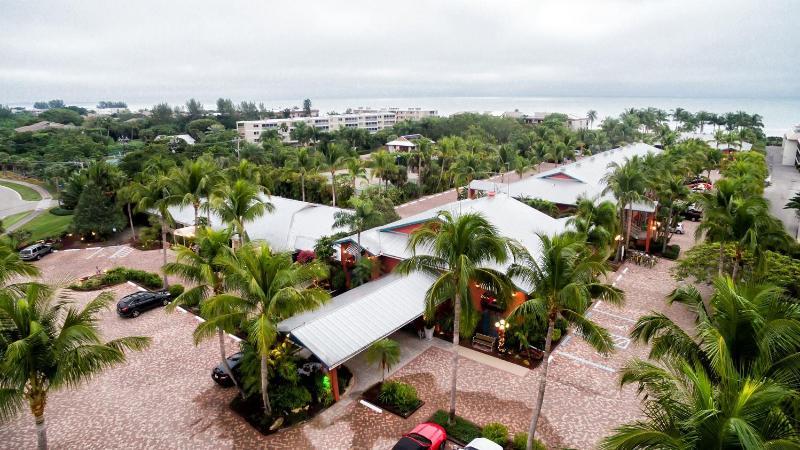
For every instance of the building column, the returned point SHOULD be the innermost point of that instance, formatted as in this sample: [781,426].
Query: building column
[334,383]
[649,229]
[343,255]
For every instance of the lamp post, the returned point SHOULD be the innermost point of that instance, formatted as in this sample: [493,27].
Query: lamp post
[501,326]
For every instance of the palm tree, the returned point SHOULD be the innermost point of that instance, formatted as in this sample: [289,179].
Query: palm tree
[333,157]
[385,353]
[157,195]
[47,346]
[522,165]
[263,289]
[424,152]
[130,194]
[794,203]
[305,162]
[564,280]
[468,166]
[239,203]
[203,268]
[194,182]
[383,166]
[356,171]
[359,219]
[12,267]
[686,408]
[457,251]
[670,189]
[592,116]
[597,222]
[627,182]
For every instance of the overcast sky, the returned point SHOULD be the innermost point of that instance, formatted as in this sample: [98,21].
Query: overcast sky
[141,50]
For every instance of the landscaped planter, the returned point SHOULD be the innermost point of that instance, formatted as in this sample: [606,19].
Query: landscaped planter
[372,396]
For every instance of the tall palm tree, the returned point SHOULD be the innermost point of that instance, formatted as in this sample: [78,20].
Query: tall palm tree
[129,195]
[468,166]
[383,166]
[628,184]
[333,158]
[239,203]
[356,171]
[597,222]
[11,268]
[424,153]
[669,189]
[194,182]
[359,219]
[592,116]
[385,353]
[203,268]
[306,162]
[157,195]
[564,280]
[263,289]
[46,346]
[456,251]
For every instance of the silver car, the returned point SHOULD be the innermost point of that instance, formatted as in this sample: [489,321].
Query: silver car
[35,251]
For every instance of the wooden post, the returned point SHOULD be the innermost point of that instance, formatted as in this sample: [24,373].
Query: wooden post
[649,226]
[343,256]
[334,383]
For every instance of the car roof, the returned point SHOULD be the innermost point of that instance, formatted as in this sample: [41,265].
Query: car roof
[483,444]
[406,443]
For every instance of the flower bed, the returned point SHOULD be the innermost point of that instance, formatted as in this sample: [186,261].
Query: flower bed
[117,276]
[398,398]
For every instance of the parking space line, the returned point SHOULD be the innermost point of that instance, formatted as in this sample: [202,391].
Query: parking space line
[99,250]
[614,315]
[586,361]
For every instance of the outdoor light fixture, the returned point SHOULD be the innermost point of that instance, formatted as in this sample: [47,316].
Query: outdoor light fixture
[618,237]
[501,326]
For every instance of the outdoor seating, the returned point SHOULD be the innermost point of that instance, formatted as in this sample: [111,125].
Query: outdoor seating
[483,342]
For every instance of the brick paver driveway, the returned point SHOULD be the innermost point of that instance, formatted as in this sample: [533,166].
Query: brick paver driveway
[164,397]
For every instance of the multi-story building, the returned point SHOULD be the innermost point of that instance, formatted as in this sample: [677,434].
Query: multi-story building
[401,114]
[574,123]
[791,147]
[251,130]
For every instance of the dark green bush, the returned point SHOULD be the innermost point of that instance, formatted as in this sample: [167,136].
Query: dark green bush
[119,275]
[175,290]
[399,395]
[289,397]
[672,252]
[462,429]
[521,441]
[496,432]
[57,211]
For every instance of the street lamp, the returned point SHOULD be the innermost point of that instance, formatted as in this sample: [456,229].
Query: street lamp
[501,326]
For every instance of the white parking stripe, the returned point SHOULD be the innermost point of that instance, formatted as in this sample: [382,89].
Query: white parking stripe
[586,361]
[97,252]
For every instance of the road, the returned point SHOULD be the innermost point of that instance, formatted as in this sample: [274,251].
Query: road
[785,183]
[12,203]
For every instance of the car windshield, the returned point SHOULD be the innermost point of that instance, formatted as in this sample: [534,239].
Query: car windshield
[419,438]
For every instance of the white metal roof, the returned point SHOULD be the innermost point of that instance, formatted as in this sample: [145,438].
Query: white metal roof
[586,178]
[401,143]
[293,225]
[352,321]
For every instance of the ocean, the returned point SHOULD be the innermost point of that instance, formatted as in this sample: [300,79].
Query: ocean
[780,114]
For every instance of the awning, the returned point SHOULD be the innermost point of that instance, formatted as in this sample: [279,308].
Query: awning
[352,321]
[185,232]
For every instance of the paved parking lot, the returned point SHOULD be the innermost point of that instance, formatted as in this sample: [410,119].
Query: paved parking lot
[164,397]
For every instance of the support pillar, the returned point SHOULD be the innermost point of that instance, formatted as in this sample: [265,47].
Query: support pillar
[649,229]
[334,383]
[343,255]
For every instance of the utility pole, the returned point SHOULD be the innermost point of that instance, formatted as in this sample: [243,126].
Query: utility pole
[238,140]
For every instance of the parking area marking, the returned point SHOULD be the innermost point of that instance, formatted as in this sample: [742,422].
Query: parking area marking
[96,252]
[121,253]
[620,342]
[616,316]
[586,361]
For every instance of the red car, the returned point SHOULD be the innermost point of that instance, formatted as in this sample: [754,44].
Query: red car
[425,436]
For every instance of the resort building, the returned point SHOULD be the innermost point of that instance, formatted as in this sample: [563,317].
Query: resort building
[401,114]
[566,184]
[291,227]
[573,122]
[352,321]
[250,130]
[791,147]
[404,143]
[42,126]
[711,140]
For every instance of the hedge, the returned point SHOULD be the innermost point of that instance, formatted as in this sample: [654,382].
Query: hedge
[58,211]
[672,252]
[520,442]
[496,432]
[119,275]
[462,429]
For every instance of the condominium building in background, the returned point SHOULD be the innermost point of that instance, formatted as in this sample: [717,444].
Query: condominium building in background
[363,118]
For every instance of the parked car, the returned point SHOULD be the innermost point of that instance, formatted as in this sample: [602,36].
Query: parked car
[134,304]
[693,213]
[425,436]
[482,444]
[35,251]
[222,378]
[677,229]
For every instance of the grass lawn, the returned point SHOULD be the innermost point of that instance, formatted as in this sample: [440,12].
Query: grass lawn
[47,225]
[14,218]
[26,192]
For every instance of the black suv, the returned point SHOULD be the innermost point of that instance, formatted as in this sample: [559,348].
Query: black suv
[134,304]
[222,378]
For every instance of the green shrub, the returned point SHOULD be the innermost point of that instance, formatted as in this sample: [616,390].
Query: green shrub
[556,334]
[289,397]
[521,441]
[462,429]
[399,395]
[175,290]
[496,432]
[57,211]
[119,275]
[672,252]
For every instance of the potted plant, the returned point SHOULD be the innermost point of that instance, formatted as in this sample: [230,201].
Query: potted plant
[430,320]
